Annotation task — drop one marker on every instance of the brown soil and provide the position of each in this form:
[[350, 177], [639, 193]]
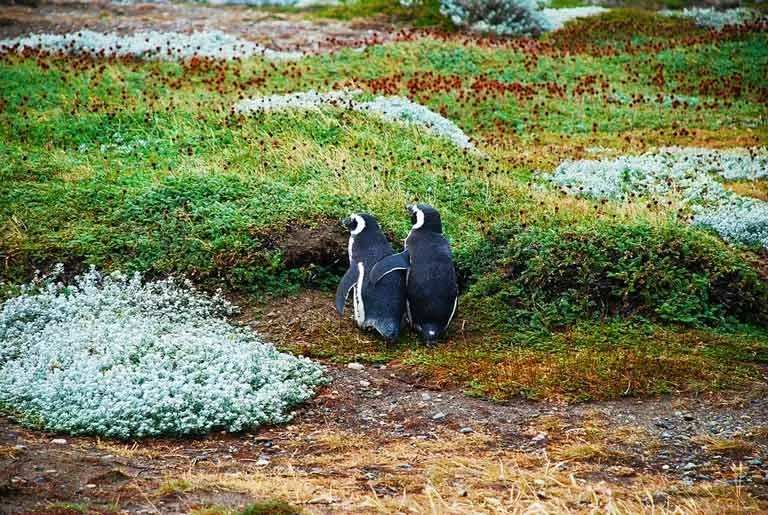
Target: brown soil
[[273, 30], [321, 244]]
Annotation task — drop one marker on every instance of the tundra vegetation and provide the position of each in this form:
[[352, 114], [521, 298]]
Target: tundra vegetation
[[612, 284], [602, 181]]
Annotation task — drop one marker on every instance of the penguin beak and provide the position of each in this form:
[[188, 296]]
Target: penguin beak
[[410, 207], [347, 222]]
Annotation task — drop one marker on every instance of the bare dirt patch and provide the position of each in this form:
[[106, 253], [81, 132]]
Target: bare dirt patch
[[321, 244], [273, 30]]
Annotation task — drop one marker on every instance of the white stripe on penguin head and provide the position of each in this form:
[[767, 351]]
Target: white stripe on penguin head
[[419, 217], [360, 226]]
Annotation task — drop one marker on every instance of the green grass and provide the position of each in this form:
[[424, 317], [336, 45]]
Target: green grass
[[140, 166]]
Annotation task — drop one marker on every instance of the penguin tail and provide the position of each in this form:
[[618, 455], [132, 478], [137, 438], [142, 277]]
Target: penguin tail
[[388, 329], [430, 333]]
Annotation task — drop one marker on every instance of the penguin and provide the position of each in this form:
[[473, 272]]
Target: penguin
[[432, 293], [379, 306]]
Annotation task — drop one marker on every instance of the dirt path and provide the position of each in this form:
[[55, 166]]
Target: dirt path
[[372, 433], [276, 31]]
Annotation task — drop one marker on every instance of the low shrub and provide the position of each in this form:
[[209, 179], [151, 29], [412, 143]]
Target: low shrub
[[501, 17], [556, 276], [115, 356]]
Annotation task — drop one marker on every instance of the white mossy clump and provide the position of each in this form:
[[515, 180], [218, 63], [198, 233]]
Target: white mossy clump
[[304, 100], [557, 18], [711, 18], [730, 164], [168, 46], [400, 109], [742, 220], [687, 174], [115, 356], [391, 108]]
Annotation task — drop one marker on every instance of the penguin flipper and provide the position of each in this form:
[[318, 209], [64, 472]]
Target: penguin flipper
[[389, 264], [345, 286]]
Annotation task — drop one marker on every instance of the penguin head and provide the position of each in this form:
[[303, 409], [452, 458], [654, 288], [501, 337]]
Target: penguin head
[[357, 223], [426, 217]]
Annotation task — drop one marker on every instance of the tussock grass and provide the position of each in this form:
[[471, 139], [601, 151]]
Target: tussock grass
[[719, 445]]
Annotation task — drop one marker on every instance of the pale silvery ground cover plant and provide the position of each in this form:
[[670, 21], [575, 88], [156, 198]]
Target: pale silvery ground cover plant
[[501, 17], [113, 355], [168, 46], [711, 18], [389, 108], [687, 174]]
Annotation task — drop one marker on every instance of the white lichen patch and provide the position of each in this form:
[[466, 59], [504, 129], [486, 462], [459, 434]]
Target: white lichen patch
[[389, 108], [151, 45], [710, 18], [115, 356], [690, 175], [557, 18]]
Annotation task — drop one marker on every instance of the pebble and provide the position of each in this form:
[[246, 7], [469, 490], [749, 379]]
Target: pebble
[[756, 462], [356, 366], [365, 384], [90, 485], [539, 437], [665, 467], [59, 441], [262, 462], [438, 416], [19, 447], [466, 430], [689, 466]]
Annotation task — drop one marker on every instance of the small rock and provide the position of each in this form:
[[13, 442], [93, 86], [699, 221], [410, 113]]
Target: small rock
[[426, 397], [539, 437], [665, 467], [666, 434], [756, 462], [262, 462], [438, 416], [365, 384], [90, 485], [356, 366], [19, 447], [59, 441], [466, 430], [689, 466]]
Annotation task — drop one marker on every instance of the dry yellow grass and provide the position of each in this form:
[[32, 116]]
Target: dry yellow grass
[[456, 474], [717, 445]]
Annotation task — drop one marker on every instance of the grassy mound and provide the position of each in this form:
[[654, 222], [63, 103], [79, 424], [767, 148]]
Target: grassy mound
[[559, 275]]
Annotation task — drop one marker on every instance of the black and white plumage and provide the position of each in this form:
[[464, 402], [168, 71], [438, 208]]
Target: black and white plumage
[[379, 306], [431, 290]]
